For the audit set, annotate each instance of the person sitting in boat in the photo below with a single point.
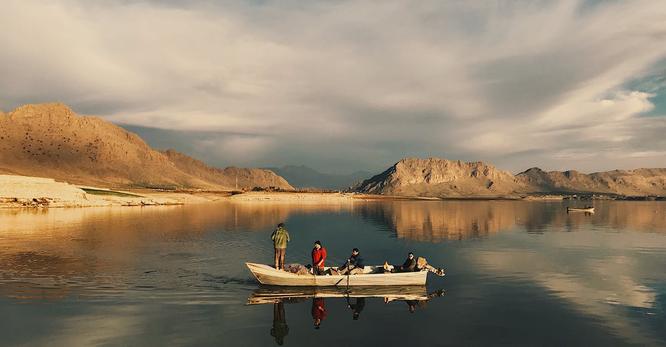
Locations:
(318, 258)
(353, 265)
(408, 266)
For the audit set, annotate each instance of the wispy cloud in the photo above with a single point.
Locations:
(512, 82)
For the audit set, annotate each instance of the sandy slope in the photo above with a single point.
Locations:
(50, 140)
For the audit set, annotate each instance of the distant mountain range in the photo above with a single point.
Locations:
(305, 177)
(436, 177)
(49, 140)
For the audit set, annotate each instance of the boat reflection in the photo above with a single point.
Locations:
(270, 294)
(354, 299)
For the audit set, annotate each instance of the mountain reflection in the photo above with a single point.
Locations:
(457, 220)
(50, 253)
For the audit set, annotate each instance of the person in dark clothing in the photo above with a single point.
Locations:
(409, 265)
(354, 265)
(280, 328)
(318, 311)
(357, 307)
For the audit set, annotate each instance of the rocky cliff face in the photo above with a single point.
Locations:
(49, 140)
(444, 178)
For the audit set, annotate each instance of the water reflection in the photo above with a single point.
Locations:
(599, 276)
(50, 253)
(457, 220)
(356, 307)
(280, 328)
(318, 311)
(354, 299)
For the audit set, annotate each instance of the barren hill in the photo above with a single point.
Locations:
(639, 182)
(444, 178)
(49, 140)
(228, 177)
(441, 177)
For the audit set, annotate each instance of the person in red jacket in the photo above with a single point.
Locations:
(318, 258)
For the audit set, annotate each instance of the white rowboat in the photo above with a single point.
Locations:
(583, 209)
(371, 276)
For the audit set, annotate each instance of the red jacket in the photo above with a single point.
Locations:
(317, 256)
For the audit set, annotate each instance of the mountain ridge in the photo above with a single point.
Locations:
(50, 140)
(436, 177)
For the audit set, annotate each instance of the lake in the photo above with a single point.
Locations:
(518, 273)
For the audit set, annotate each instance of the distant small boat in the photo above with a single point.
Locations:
(588, 209)
(267, 275)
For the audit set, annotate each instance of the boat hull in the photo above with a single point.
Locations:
(269, 276)
(573, 209)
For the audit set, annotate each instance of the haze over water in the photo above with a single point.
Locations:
(520, 273)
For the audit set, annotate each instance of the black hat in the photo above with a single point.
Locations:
(318, 242)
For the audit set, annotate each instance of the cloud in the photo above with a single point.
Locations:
(355, 83)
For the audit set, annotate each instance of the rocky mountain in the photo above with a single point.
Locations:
(639, 182)
(440, 177)
(435, 177)
(305, 177)
(50, 140)
(228, 177)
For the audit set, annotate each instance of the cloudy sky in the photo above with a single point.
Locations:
(355, 85)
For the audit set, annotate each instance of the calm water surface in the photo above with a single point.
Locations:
(518, 273)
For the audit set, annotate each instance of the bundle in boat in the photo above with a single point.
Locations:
(297, 269)
(422, 263)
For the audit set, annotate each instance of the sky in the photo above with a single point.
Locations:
(342, 86)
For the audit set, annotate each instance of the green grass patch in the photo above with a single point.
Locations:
(109, 192)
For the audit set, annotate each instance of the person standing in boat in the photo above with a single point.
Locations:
(318, 258)
(353, 265)
(280, 239)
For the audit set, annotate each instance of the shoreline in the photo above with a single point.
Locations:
(37, 192)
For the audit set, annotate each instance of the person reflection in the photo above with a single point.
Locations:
(280, 328)
(318, 311)
(412, 304)
(357, 307)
